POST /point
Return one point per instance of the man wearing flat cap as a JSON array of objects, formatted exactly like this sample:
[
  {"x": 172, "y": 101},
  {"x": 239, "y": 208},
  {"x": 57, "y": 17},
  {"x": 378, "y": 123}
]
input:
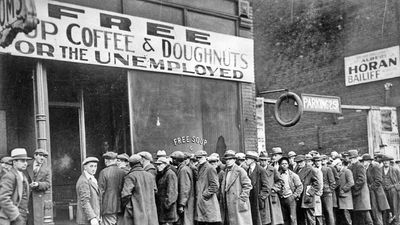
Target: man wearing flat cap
[
  {"x": 123, "y": 162},
  {"x": 137, "y": 196},
  {"x": 14, "y": 191},
  {"x": 360, "y": 192},
  {"x": 147, "y": 159},
  {"x": 39, "y": 178},
  {"x": 88, "y": 194},
  {"x": 391, "y": 185},
  {"x": 110, "y": 184}
]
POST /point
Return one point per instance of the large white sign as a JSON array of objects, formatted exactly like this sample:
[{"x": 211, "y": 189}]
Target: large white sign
[
  {"x": 84, "y": 35},
  {"x": 321, "y": 103},
  {"x": 372, "y": 66}
]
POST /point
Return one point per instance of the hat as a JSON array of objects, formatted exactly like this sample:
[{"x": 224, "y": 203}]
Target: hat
[
  {"x": 177, "y": 155},
  {"x": 386, "y": 158},
  {"x": 230, "y": 154},
  {"x": 6, "y": 160},
  {"x": 162, "y": 160},
  {"x": 291, "y": 154},
  {"x": 263, "y": 155},
  {"x": 90, "y": 159},
  {"x": 123, "y": 156},
  {"x": 336, "y": 161},
  {"x": 283, "y": 158},
  {"x": 344, "y": 154},
  {"x": 41, "y": 150},
  {"x": 313, "y": 152},
  {"x": 317, "y": 158},
  {"x": 19, "y": 153},
  {"x": 324, "y": 157},
  {"x": 366, "y": 157},
  {"x": 276, "y": 150},
  {"x": 308, "y": 157},
  {"x": 135, "y": 159},
  {"x": 200, "y": 153},
  {"x": 240, "y": 156},
  {"x": 110, "y": 155},
  {"x": 161, "y": 153},
  {"x": 213, "y": 157},
  {"x": 252, "y": 155},
  {"x": 353, "y": 153},
  {"x": 299, "y": 158},
  {"x": 147, "y": 155},
  {"x": 397, "y": 161}
]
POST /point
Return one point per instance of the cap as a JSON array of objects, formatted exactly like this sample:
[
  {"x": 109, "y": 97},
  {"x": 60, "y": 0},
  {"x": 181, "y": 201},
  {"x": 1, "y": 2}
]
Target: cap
[
  {"x": 213, "y": 157},
  {"x": 200, "y": 153},
  {"x": 366, "y": 157},
  {"x": 336, "y": 161},
  {"x": 41, "y": 150},
  {"x": 263, "y": 155},
  {"x": 161, "y": 153},
  {"x": 324, "y": 157},
  {"x": 123, "y": 156},
  {"x": 19, "y": 153},
  {"x": 135, "y": 159},
  {"x": 353, "y": 153},
  {"x": 90, "y": 159},
  {"x": 308, "y": 157},
  {"x": 299, "y": 158},
  {"x": 162, "y": 160},
  {"x": 252, "y": 155},
  {"x": 386, "y": 158},
  {"x": 276, "y": 150},
  {"x": 317, "y": 158},
  {"x": 240, "y": 156},
  {"x": 291, "y": 154},
  {"x": 6, "y": 160},
  {"x": 110, "y": 155},
  {"x": 230, "y": 154},
  {"x": 147, "y": 155},
  {"x": 313, "y": 152},
  {"x": 177, "y": 155}
]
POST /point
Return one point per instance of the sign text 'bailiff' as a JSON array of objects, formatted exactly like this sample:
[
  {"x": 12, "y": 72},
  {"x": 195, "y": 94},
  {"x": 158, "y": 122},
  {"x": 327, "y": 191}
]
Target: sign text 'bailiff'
[
  {"x": 84, "y": 35},
  {"x": 321, "y": 103}
]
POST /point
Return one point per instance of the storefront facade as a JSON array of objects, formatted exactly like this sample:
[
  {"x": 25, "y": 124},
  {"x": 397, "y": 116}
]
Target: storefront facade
[{"x": 127, "y": 76}]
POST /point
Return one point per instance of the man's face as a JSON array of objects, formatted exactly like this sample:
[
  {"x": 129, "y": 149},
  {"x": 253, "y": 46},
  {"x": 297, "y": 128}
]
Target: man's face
[
  {"x": 263, "y": 162},
  {"x": 339, "y": 166},
  {"x": 318, "y": 164},
  {"x": 20, "y": 164},
  {"x": 230, "y": 162},
  {"x": 366, "y": 163},
  {"x": 301, "y": 164},
  {"x": 324, "y": 162},
  {"x": 249, "y": 161},
  {"x": 214, "y": 164},
  {"x": 291, "y": 159},
  {"x": 309, "y": 162},
  {"x": 39, "y": 157},
  {"x": 90, "y": 168},
  {"x": 276, "y": 157},
  {"x": 161, "y": 166},
  {"x": 201, "y": 159},
  {"x": 284, "y": 165},
  {"x": 386, "y": 163},
  {"x": 239, "y": 161}
]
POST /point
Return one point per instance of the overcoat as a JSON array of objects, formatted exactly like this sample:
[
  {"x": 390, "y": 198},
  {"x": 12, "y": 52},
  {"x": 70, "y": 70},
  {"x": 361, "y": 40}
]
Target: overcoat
[
  {"x": 186, "y": 194},
  {"x": 139, "y": 188},
  {"x": 167, "y": 195},
  {"x": 258, "y": 195},
  {"x": 110, "y": 182},
  {"x": 88, "y": 200},
  {"x": 311, "y": 185},
  {"x": 11, "y": 189},
  {"x": 151, "y": 169},
  {"x": 336, "y": 176},
  {"x": 235, "y": 191},
  {"x": 360, "y": 192},
  {"x": 377, "y": 194},
  {"x": 207, "y": 206},
  {"x": 343, "y": 189},
  {"x": 273, "y": 211},
  {"x": 43, "y": 179}
]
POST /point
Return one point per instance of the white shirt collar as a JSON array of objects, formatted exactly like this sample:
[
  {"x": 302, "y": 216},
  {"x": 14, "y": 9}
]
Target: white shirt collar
[{"x": 89, "y": 177}]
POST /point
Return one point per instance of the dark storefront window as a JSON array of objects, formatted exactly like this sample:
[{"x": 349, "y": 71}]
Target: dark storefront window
[{"x": 172, "y": 112}]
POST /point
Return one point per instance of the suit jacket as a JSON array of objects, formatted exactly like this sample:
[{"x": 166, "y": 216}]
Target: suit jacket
[
  {"x": 43, "y": 179},
  {"x": 11, "y": 189},
  {"x": 111, "y": 179},
  {"x": 328, "y": 179},
  {"x": 311, "y": 185},
  {"x": 88, "y": 199},
  {"x": 343, "y": 190},
  {"x": 258, "y": 195}
]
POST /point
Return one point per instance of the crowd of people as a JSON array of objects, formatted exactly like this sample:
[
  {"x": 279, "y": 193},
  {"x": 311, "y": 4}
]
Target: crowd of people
[{"x": 235, "y": 189}]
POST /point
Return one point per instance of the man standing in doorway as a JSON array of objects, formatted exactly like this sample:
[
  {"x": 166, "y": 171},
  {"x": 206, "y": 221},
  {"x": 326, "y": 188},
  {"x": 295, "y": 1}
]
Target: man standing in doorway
[
  {"x": 111, "y": 179},
  {"x": 88, "y": 195},
  {"x": 14, "y": 191},
  {"x": 39, "y": 179}
]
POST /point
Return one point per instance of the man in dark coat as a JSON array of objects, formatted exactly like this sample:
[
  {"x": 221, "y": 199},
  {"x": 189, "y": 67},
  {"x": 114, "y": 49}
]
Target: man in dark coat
[
  {"x": 137, "y": 196},
  {"x": 167, "y": 195},
  {"x": 123, "y": 162},
  {"x": 360, "y": 192},
  {"x": 146, "y": 162},
  {"x": 259, "y": 192},
  {"x": 39, "y": 178},
  {"x": 343, "y": 193},
  {"x": 329, "y": 186},
  {"x": 273, "y": 207},
  {"x": 391, "y": 185},
  {"x": 14, "y": 191},
  {"x": 185, "y": 189},
  {"x": 379, "y": 202},
  {"x": 276, "y": 156},
  {"x": 207, "y": 210},
  {"x": 111, "y": 179},
  {"x": 6, "y": 165}
]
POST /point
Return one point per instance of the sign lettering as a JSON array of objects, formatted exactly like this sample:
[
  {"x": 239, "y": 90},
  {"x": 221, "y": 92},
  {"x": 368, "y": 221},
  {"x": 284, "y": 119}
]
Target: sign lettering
[{"x": 321, "y": 103}]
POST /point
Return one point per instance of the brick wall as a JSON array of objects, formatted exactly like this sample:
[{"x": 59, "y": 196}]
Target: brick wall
[{"x": 312, "y": 61}]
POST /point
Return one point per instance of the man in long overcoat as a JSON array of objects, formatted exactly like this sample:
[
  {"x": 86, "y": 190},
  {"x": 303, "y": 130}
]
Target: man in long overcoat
[
  {"x": 329, "y": 186},
  {"x": 111, "y": 179},
  {"x": 360, "y": 192},
  {"x": 88, "y": 194},
  {"x": 343, "y": 193},
  {"x": 273, "y": 208},
  {"x": 379, "y": 202},
  {"x": 137, "y": 196},
  {"x": 207, "y": 209},
  {"x": 391, "y": 185},
  {"x": 167, "y": 194},
  {"x": 146, "y": 163},
  {"x": 235, "y": 190},
  {"x": 39, "y": 179},
  {"x": 260, "y": 190},
  {"x": 185, "y": 189},
  {"x": 14, "y": 191}
]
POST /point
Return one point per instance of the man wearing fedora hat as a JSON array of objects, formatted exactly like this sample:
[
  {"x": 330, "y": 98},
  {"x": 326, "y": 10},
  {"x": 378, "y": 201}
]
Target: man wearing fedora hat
[
  {"x": 88, "y": 194},
  {"x": 39, "y": 179},
  {"x": 276, "y": 156},
  {"x": 391, "y": 185},
  {"x": 14, "y": 191}
]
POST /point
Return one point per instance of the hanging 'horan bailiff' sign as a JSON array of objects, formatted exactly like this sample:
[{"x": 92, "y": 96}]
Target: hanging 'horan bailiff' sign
[
  {"x": 372, "y": 66},
  {"x": 85, "y": 35}
]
